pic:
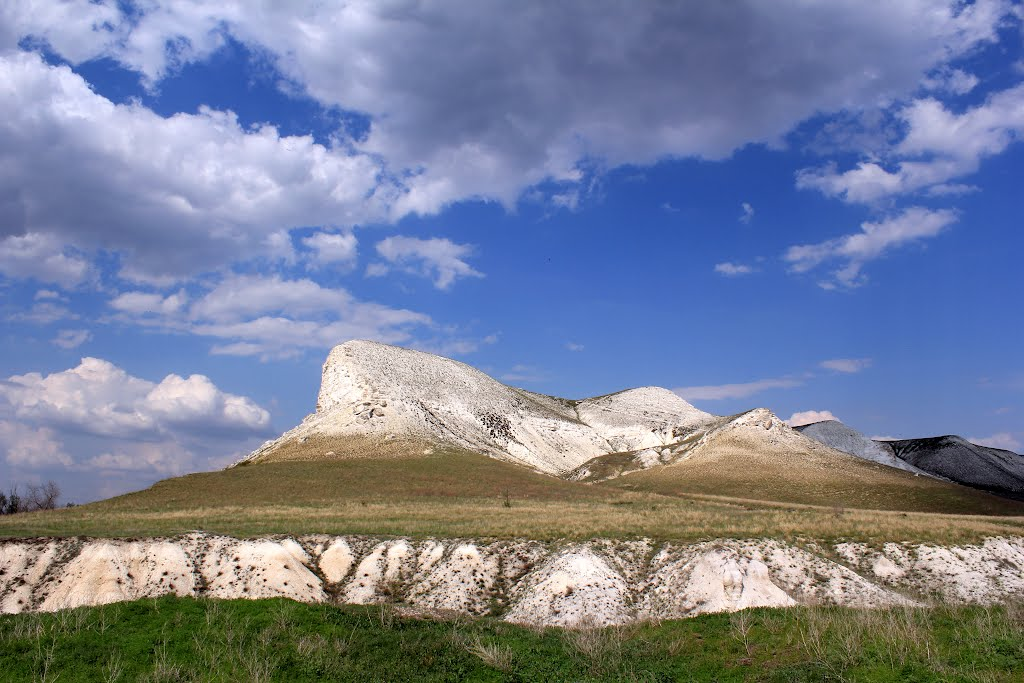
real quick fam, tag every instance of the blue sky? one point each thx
(812, 207)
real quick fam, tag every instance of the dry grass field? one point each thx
(455, 493)
(742, 467)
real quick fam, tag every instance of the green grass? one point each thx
(178, 639)
(458, 494)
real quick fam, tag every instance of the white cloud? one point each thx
(742, 390)
(95, 420)
(939, 146)
(951, 189)
(748, 213)
(573, 346)
(71, 339)
(45, 312)
(333, 248)
(620, 85)
(436, 258)
(101, 399)
(41, 257)
(172, 196)
(30, 447)
(242, 297)
(1004, 440)
(807, 417)
(165, 459)
(847, 365)
(273, 317)
(524, 373)
(733, 269)
(954, 81)
(873, 241)
(140, 303)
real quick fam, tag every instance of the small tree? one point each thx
(3, 503)
(42, 496)
(13, 504)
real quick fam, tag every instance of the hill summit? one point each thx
(386, 392)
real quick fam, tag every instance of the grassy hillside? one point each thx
(174, 639)
(741, 466)
(454, 493)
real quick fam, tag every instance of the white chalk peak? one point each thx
(377, 390)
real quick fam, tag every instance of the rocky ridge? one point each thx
(372, 389)
(598, 582)
(837, 435)
(951, 458)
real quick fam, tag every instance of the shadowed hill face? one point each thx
(376, 391)
(955, 458)
(835, 434)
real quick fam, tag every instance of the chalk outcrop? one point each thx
(375, 390)
(598, 582)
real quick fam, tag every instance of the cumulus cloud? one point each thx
(873, 241)
(524, 373)
(45, 312)
(807, 417)
(741, 390)
(71, 339)
(733, 269)
(846, 365)
(436, 258)
(748, 213)
(620, 85)
(95, 425)
(1004, 440)
(953, 81)
(41, 257)
(140, 303)
(332, 248)
(271, 316)
(939, 146)
(164, 459)
(173, 196)
(573, 346)
(101, 399)
(31, 447)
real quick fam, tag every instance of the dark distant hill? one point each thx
(957, 459)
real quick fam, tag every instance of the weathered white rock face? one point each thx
(371, 389)
(982, 574)
(589, 583)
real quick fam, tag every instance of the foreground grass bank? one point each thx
(174, 639)
(454, 494)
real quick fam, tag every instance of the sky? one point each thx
(813, 207)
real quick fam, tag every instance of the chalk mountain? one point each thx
(380, 401)
(376, 393)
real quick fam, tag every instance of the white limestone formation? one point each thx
(381, 391)
(590, 583)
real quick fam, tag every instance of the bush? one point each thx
(37, 497)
